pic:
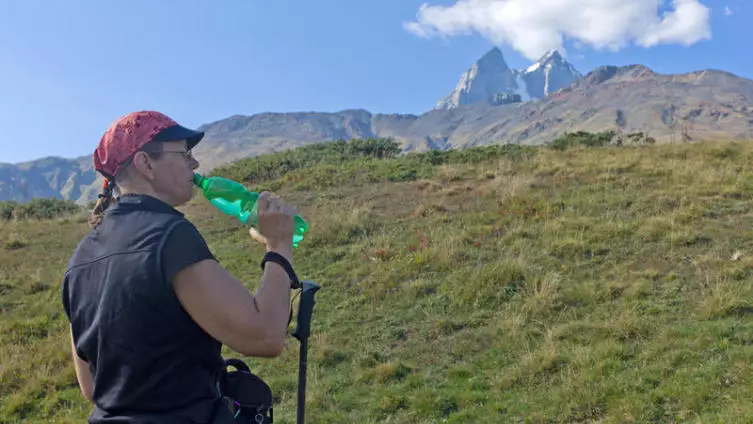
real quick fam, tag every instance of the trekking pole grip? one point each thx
(305, 310)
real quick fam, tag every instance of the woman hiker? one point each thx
(149, 305)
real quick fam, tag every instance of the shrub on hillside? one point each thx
(599, 139)
(276, 165)
(355, 162)
(472, 155)
(6, 210)
(37, 209)
(583, 138)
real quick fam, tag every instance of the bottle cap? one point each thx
(197, 179)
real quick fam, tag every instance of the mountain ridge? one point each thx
(696, 105)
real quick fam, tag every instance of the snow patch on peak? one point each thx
(533, 67)
(552, 53)
(551, 56)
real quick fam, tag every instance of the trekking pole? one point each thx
(302, 331)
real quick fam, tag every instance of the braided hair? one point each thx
(103, 202)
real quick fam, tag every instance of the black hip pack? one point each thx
(247, 396)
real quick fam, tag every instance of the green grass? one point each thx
(604, 284)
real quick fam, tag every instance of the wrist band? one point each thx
(285, 264)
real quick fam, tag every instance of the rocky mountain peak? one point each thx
(552, 57)
(492, 60)
(490, 77)
(549, 74)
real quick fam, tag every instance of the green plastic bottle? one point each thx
(234, 199)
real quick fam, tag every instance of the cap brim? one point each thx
(179, 133)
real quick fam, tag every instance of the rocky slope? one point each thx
(72, 179)
(702, 105)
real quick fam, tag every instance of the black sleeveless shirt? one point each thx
(150, 362)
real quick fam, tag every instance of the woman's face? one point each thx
(173, 173)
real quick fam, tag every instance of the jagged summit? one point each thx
(491, 78)
(555, 59)
(493, 58)
(553, 53)
(483, 81)
(550, 56)
(549, 74)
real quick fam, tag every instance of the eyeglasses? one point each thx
(186, 154)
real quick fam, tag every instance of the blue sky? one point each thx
(68, 68)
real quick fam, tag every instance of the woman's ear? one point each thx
(143, 165)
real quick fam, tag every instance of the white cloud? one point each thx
(727, 11)
(534, 26)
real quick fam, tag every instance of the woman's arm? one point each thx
(83, 374)
(250, 324)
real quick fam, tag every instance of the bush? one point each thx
(604, 138)
(356, 162)
(276, 165)
(6, 210)
(583, 138)
(37, 209)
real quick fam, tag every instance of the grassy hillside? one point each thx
(509, 285)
